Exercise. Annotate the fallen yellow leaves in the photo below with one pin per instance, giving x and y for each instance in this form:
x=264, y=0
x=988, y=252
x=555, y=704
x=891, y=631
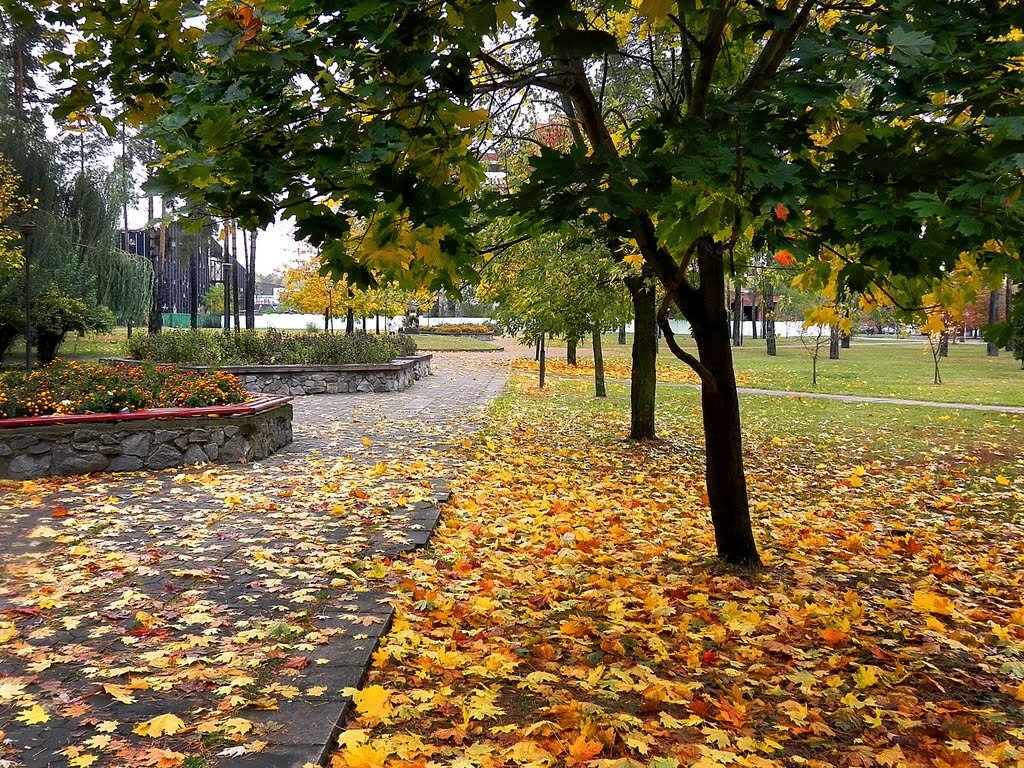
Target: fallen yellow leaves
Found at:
x=566, y=614
x=34, y=715
x=617, y=369
x=161, y=725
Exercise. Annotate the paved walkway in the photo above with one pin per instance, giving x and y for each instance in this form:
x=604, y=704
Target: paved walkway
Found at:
x=238, y=599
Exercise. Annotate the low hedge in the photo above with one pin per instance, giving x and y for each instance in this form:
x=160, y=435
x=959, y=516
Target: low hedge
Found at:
x=455, y=329
x=72, y=387
x=198, y=347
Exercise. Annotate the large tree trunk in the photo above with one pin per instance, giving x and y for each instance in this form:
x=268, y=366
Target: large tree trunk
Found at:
x=723, y=438
x=643, y=378
x=47, y=344
x=543, y=359
x=1008, y=301
x=622, y=334
x=599, y=387
x=944, y=343
x=737, y=316
x=771, y=345
x=993, y=317
x=8, y=333
x=350, y=321
x=570, y=349
x=833, y=342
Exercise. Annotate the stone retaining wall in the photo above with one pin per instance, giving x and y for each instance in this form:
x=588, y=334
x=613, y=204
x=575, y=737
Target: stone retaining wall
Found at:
x=395, y=376
x=142, y=443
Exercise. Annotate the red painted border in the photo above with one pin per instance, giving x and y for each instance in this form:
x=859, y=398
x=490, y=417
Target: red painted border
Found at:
x=256, y=405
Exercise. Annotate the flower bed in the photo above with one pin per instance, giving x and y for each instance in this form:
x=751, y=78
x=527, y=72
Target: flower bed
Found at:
x=89, y=388
x=460, y=329
x=212, y=348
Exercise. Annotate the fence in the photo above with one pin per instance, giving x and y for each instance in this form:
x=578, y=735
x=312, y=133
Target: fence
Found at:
x=184, y=320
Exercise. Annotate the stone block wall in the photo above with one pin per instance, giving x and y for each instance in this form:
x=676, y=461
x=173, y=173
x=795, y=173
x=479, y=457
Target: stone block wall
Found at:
x=117, y=446
x=398, y=375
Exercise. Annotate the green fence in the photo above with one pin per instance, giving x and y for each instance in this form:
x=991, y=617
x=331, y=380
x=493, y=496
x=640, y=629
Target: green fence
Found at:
x=184, y=320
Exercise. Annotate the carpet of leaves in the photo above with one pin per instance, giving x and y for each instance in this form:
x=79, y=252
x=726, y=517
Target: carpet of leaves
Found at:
x=154, y=619
x=617, y=369
x=568, y=612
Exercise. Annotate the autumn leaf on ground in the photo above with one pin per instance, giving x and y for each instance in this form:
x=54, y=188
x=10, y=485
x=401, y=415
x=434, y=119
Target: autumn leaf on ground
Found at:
x=34, y=715
x=161, y=725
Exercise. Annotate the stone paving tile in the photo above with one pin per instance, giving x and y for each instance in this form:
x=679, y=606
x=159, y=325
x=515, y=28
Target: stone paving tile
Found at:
x=89, y=562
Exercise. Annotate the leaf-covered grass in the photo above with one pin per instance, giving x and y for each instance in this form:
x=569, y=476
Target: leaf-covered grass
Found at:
x=569, y=613
x=882, y=368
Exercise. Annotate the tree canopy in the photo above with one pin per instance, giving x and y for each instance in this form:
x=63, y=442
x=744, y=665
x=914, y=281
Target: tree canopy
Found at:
x=877, y=146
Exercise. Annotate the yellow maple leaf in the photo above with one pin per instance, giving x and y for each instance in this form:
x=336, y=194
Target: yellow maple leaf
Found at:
x=236, y=726
x=865, y=676
x=373, y=702
x=120, y=693
x=9, y=690
x=33, y=715
x=929, y=602
x=656, y=10
x=161, y=725
x=82, y=761
x=361, y=756
x=1002, y=480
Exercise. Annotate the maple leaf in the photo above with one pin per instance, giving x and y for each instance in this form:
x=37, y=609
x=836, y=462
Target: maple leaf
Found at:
x=161, y=725
x=82, y=761
x=34, y=715
x=120, y=693
x=361, y=756
x=373, y=702
x=10, y=690
x=582, y=750
x=781, y=212
x=929, y=602
x=784, y=257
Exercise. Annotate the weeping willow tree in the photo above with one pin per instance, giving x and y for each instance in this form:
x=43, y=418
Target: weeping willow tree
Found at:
x=71, y=244
x=78, y=277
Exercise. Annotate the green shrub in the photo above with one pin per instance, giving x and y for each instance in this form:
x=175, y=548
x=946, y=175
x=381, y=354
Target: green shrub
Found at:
x=270, y=347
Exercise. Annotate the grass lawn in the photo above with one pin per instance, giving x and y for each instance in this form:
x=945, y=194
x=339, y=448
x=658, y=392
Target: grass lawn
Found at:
x=432, y=342
x=568, y=612
x=900, y=369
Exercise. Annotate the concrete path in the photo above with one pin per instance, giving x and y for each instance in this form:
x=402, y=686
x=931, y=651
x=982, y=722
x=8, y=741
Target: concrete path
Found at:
x=237, y=599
